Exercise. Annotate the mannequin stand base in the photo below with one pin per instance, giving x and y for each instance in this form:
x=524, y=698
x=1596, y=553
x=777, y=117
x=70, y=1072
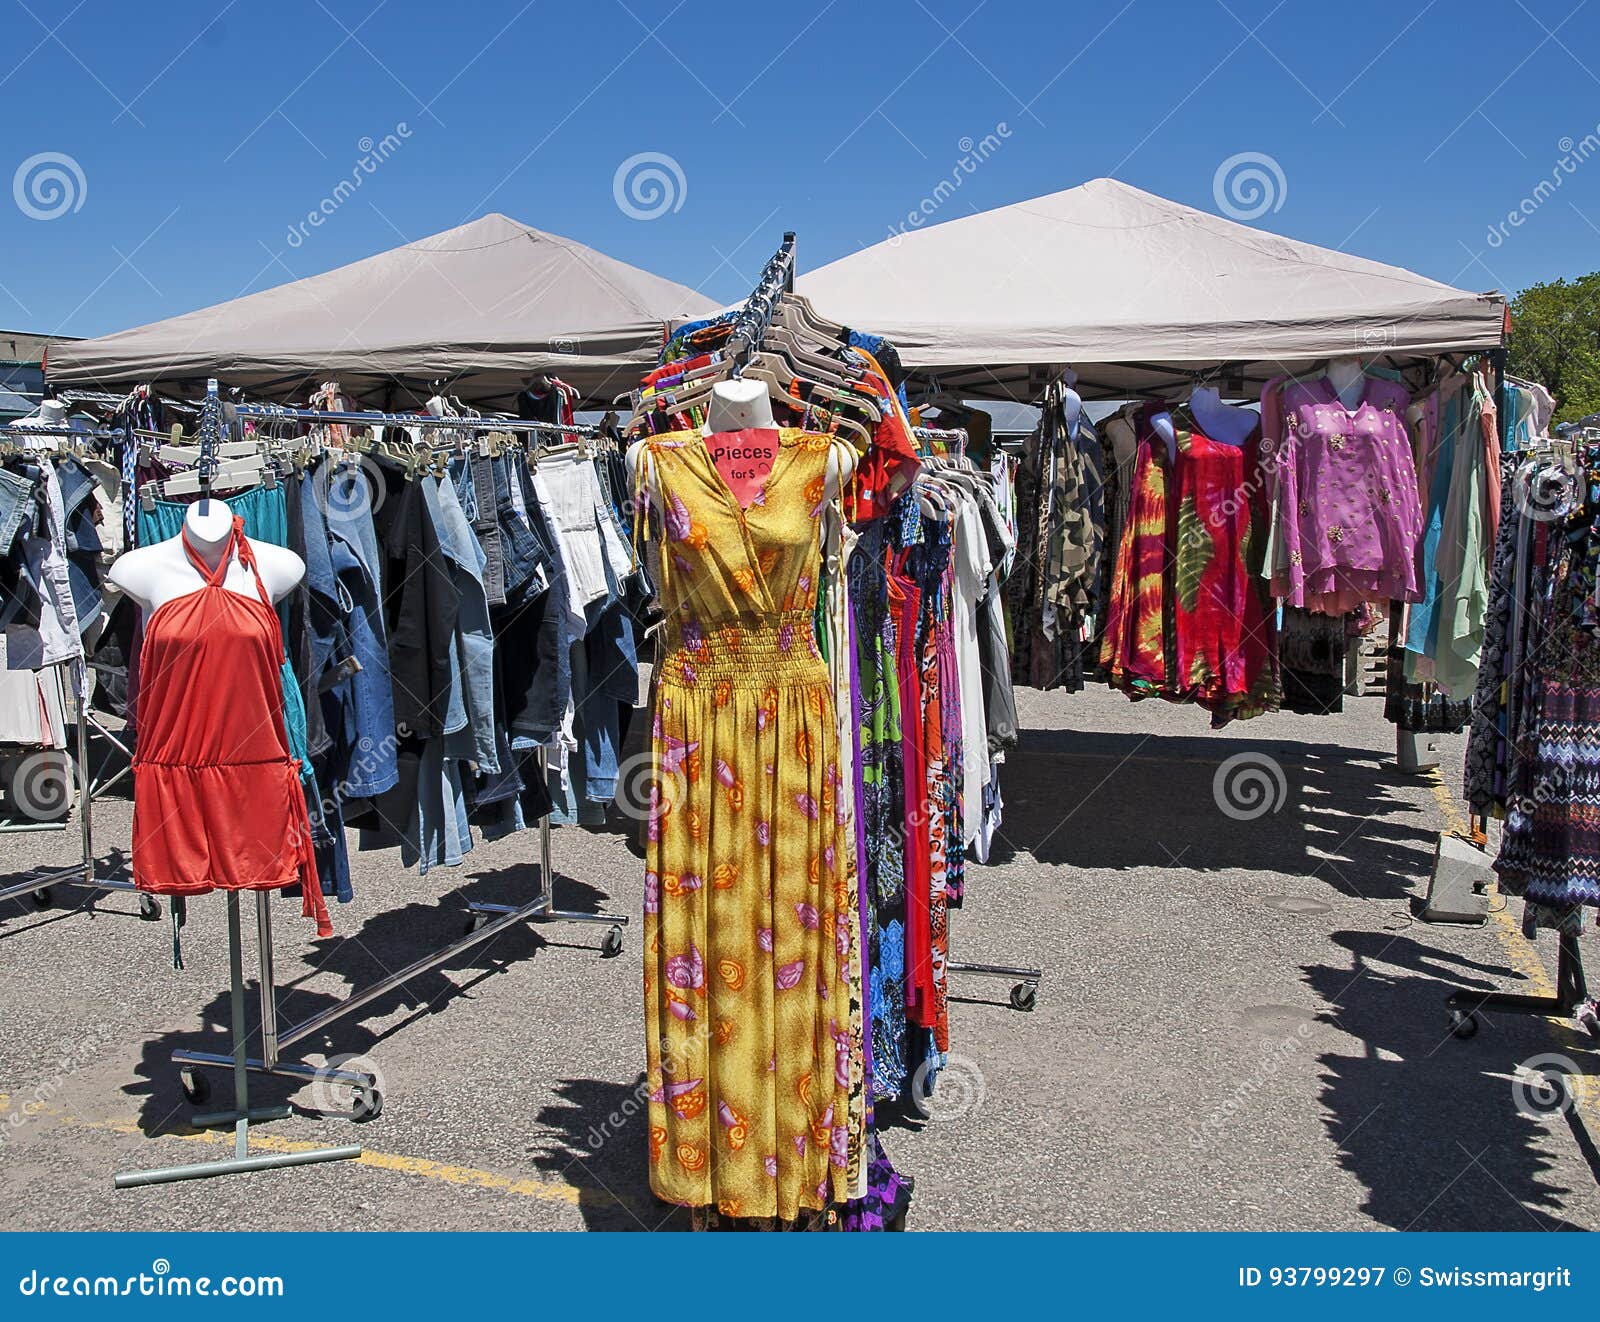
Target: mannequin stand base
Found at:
x=228, y=1119
x=1572, y=990
x=241, y=1117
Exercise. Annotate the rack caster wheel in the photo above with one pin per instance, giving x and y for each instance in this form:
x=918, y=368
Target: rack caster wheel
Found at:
x=366, y=1104
x=1024, y=995
x=611, y=947
x=149, y=909
x=476, y=922
x=1463, y=1024
x=196, y=1086
x=43, y=898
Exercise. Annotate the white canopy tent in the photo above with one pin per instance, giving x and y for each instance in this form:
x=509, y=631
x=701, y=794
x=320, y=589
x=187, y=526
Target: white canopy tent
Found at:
x=482, y=308
x=1136, y=294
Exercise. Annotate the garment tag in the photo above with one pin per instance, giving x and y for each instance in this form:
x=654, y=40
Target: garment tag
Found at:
x=744, y=458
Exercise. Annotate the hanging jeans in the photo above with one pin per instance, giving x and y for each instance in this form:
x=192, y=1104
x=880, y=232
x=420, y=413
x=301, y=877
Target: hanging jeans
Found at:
x=83, y=544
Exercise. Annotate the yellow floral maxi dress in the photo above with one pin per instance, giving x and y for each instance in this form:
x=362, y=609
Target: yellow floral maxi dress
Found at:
x=752, y=975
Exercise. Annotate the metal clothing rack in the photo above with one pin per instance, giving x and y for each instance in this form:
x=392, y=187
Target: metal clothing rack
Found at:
x=486, y=921
x=38, y=882
x=751, y=321
x=241, y=1116
x=1025, y=981
x=82, y=873
x=1572, y=990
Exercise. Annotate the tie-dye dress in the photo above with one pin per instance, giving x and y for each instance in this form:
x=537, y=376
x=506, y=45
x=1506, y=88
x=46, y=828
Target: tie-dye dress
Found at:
x=752, y=973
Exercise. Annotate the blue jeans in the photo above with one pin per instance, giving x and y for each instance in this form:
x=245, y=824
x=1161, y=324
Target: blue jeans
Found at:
x=18, y=506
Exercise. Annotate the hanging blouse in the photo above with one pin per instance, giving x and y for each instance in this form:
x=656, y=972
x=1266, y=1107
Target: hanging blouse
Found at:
x=1347, y=508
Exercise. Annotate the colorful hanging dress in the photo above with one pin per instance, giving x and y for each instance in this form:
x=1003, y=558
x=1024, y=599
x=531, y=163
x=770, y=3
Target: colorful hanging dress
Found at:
x=752, y=975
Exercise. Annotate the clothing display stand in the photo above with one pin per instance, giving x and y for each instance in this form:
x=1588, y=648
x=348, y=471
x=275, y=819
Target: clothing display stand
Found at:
x=38, y=882
x=83, y=872
x=1571, y=991
x=241, y=1116
x=487, y=920
x=1025, y=981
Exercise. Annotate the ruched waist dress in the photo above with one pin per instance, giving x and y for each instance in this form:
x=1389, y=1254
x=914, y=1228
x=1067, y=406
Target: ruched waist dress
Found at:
x=752, y=975
x=217, y=800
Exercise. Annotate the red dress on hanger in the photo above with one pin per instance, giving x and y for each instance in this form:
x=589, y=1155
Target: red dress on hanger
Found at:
x=217, y=801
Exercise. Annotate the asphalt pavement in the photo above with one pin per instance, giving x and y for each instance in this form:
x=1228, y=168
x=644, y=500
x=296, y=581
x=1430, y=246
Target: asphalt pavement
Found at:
x=1241, y=1022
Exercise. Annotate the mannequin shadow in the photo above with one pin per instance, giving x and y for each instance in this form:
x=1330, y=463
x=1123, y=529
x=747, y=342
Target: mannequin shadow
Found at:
x=595, y=1138
x=1096, y=800
x=1484, y=1162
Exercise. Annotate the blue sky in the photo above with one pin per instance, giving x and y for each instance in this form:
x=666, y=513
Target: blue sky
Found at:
x=202, y=132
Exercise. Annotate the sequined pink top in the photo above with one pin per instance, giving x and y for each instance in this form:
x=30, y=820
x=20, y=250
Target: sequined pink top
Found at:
x=1348, y=514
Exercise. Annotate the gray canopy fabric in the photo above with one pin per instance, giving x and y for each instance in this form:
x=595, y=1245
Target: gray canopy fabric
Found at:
x=482, y=307
x=1135, y=293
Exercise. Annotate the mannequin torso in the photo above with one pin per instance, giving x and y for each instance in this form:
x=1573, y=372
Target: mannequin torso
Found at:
x=740, y=406
x=1348, y=380
x=155, y=575
x=1221, y=422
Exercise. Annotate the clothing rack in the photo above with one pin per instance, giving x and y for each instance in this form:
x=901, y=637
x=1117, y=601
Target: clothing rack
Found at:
x=751, y=321
x=1571, y=991
x=39, y=882
x=486, y=920
x=241, y=1116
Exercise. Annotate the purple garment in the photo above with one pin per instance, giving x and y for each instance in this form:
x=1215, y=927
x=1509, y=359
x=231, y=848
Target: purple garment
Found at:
x=1349, y=513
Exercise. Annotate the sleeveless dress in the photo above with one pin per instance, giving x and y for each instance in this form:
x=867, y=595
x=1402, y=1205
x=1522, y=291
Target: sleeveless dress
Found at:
x=217, y=800
x=752, y=972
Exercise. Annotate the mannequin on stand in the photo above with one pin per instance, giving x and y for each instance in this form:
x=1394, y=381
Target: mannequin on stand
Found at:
x=1222, y=422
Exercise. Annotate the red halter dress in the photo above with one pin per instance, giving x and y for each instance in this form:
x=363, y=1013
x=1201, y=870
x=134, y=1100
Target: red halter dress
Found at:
x=217, y=801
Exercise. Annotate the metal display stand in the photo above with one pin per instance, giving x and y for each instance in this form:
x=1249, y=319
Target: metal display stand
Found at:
x=83, y=872
x=1571, y=991
x=241, y=1116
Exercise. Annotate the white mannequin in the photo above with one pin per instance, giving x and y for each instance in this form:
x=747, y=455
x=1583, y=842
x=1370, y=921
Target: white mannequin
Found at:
x=1221, y=422
x=1161, y=424
x=1348, y=380
x=155, y=575
x=738, y=405
x=1071, y=402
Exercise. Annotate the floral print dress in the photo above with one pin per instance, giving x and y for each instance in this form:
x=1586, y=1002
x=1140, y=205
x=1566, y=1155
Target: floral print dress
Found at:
x=752, y=966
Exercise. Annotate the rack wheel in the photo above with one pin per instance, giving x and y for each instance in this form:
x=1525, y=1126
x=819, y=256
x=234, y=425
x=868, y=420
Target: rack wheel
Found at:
x=611, y=947
x=1463, y=1024
x=196, y=1086
x=149, y=909
x=43, y=898
x=366, y=1104
x=1024, y=995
